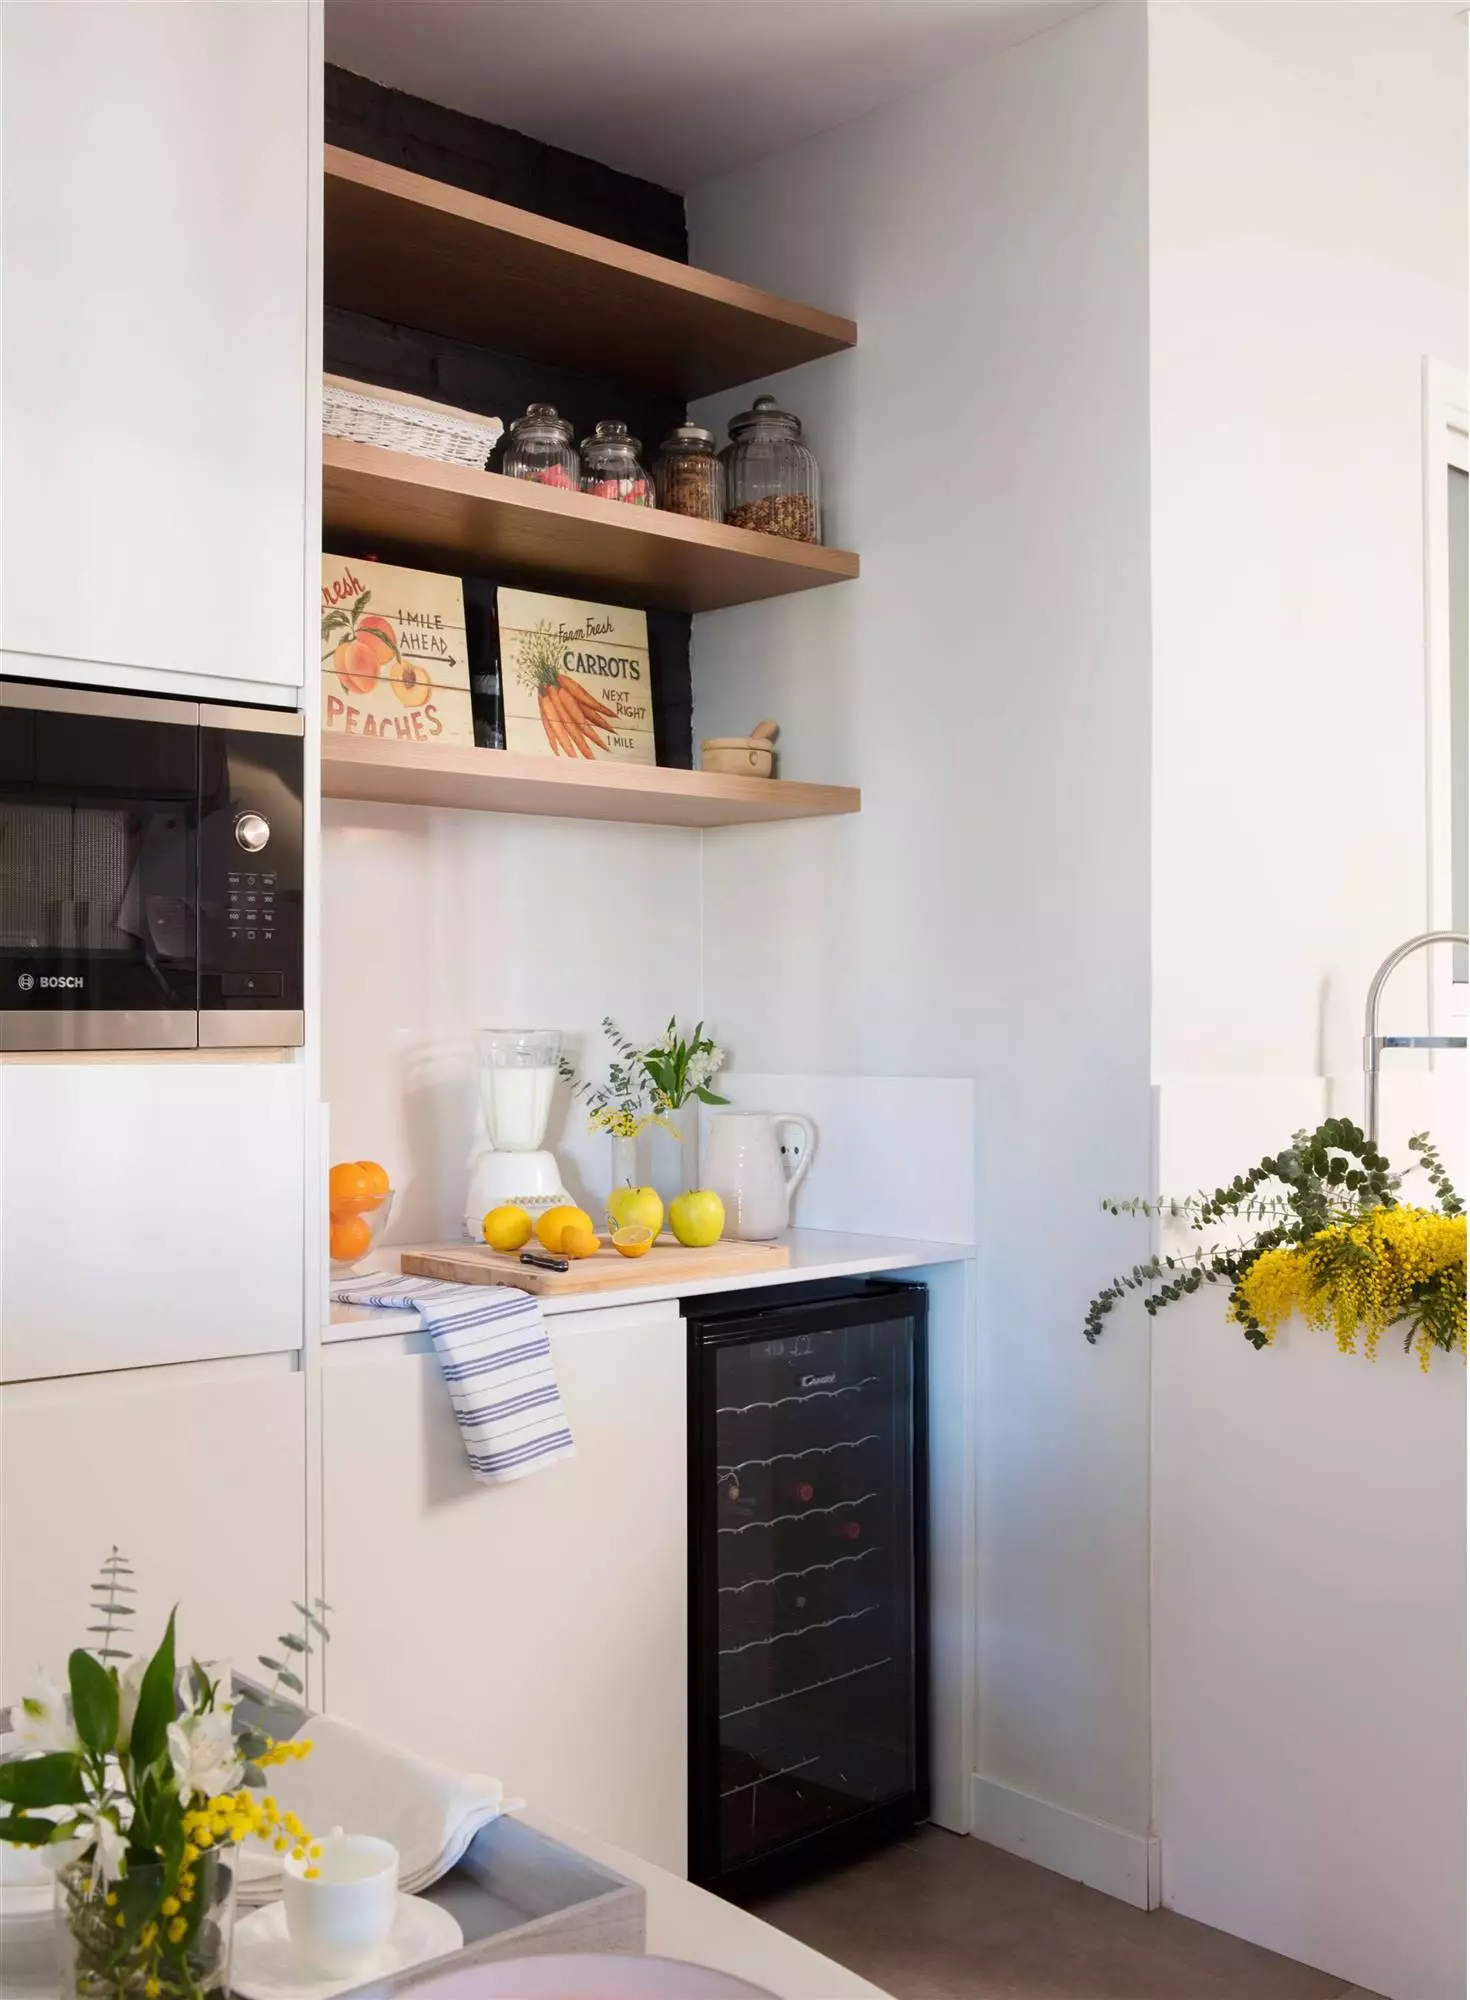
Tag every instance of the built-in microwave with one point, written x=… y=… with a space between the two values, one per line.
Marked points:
x=150 y=872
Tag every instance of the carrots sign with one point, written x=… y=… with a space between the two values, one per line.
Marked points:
x=394 y=658
x=575 y=679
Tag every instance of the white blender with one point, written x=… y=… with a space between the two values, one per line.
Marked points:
x=518 y=1071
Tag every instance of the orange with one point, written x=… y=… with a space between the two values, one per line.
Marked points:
x=351 y=1238
x=350 y=1189
x=378 y=1181
x=578 y=1242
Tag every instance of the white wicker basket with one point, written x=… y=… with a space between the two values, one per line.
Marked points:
x=407 y=423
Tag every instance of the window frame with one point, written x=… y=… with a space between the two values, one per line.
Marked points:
x=1446 y=444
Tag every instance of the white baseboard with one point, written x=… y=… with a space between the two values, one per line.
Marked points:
x=1121 y=1864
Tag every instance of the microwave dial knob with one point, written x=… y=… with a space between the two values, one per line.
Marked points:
x=252 y=831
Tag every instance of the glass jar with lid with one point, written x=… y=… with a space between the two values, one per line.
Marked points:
x=611 y=468
x=772 y=484
x=690 y=478
x=540 y=447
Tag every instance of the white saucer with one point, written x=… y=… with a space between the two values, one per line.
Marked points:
x=264 y=1966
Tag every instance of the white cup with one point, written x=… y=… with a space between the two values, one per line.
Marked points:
x=339 y=1920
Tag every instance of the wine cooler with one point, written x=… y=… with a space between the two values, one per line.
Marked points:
x=808 y=1601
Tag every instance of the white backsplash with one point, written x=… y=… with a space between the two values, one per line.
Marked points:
x=895 y=1155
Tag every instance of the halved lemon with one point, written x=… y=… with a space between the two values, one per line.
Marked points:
x=576 y=1242
x=634 y=1241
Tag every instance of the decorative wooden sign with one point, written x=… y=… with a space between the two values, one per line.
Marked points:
x=395 y=662
x=575 y=678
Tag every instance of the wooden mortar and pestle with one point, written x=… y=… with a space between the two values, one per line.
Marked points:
x=752 y=756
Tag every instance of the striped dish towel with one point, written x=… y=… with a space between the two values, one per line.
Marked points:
x=496 y=1362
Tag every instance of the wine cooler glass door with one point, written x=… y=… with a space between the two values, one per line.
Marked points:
x=809 y=1695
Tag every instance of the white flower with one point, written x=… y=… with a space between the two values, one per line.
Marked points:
x=44 y=1721
x=201 y=1749
x=129 y=1687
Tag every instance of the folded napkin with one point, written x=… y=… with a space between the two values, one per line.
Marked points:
x=496 y=1361
x=359 y=1781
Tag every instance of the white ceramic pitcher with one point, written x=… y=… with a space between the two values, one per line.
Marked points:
x=745 y=1164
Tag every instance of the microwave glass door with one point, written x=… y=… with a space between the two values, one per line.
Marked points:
x=98 y=861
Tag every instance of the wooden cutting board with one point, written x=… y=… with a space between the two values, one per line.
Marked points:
x=667 y=1263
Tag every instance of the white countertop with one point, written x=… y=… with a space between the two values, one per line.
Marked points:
x=689 y=1923
x=816 y=1254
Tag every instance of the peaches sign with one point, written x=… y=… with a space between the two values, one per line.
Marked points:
x=394 y=660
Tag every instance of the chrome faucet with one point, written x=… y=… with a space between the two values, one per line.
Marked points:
x=1374 y=1044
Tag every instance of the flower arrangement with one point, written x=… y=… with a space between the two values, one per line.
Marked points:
x=1335 y=1245
x=138 y=1781
x=645 y=1085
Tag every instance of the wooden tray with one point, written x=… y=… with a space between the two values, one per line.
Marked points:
x=667 y=1263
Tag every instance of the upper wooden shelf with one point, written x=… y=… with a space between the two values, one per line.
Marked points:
x=407 y=248
x=418 y=511
x=366 y=768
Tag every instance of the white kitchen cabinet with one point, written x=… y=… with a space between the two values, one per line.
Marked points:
x=535 y=1631
x=149 y=1213
x=198 y=1474
x=157 y=193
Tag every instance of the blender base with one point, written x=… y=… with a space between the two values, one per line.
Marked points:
x=531 y=1180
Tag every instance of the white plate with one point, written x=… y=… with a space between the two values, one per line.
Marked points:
x=264 y=1966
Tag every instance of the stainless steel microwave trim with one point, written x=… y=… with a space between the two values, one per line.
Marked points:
x=265 y=721
x=88 y=701
x=242 y=1028
x=77 y=1029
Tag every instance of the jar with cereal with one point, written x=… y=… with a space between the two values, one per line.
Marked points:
x=611 y=468
x=539 y=447
x=691 y=479
x=772 y=484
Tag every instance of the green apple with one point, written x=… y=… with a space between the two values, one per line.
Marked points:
x=697 y=1218
x=630 y=1207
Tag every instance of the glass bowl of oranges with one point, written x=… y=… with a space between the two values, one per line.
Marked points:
x=359 y=1201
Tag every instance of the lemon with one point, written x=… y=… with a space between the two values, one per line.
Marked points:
x=578 y=1242
x=507 y=1227
x=634 y=1241
x=555 y=1220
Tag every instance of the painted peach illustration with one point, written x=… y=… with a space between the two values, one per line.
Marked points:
x=362 y=656
x=410 y=682
x=361 y=660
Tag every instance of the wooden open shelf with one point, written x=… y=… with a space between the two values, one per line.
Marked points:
x=412 y=774
x=406 y=248
x=420 y=512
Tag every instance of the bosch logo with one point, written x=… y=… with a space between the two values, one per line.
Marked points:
x=63 y=982
x=818 y=1381
x=25 y=982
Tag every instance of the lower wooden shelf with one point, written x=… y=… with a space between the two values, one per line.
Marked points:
x=414 y=774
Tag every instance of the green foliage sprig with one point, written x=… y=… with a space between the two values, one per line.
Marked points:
x=1322 y=1178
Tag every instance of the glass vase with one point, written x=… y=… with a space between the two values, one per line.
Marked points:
x=625 y=1171
x=675 y=1152
x=121 y=1941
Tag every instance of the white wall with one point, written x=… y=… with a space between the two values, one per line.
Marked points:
x=986 y=682
x=1308 y=217
x=435 y=923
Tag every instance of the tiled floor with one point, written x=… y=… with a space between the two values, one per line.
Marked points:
x=938 y=1917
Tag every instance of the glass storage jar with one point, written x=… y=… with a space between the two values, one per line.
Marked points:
x=540 y=447
x=772 y=484
x=690 y=478
x=611 y=468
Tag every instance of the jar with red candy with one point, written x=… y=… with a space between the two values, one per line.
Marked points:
x=540 y=448
x=611 y=468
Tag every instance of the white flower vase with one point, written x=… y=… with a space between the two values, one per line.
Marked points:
x=675 y=1164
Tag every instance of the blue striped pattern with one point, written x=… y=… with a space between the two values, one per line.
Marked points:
x=496 y=1362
